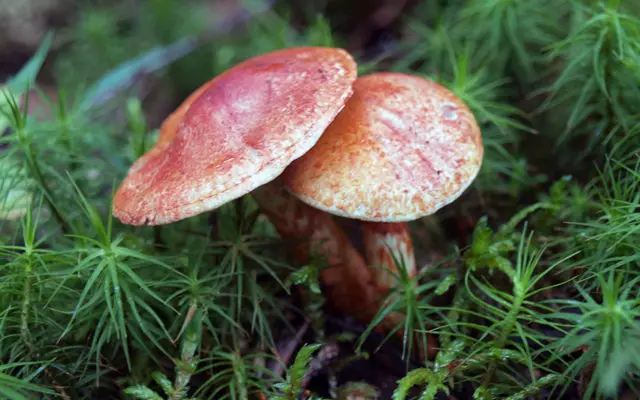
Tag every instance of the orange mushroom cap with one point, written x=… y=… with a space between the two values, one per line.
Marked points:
x=402 y=148
x=236 y=133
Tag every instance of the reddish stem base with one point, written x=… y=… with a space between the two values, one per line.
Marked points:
x=349 y=281
x=384 y=241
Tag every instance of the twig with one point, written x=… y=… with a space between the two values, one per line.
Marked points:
x=285 y=352
x=327 y=354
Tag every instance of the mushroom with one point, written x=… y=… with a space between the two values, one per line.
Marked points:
x=402 y=148
x=237 y=133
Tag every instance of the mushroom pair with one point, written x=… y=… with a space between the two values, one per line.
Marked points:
x=307 y=139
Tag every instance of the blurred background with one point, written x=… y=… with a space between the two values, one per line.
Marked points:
x=92 y=37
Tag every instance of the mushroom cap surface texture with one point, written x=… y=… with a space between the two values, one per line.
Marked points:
x=402 y=148
x=236 y=133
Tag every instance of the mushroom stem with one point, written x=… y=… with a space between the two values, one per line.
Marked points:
x=349 y=282
x=383 y=241
x=351 y=286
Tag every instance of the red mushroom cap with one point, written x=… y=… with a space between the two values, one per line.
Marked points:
x=236 y=133
x=402 y=148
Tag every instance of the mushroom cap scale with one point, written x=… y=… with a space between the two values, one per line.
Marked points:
x=402 y=148
x=236 y=133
